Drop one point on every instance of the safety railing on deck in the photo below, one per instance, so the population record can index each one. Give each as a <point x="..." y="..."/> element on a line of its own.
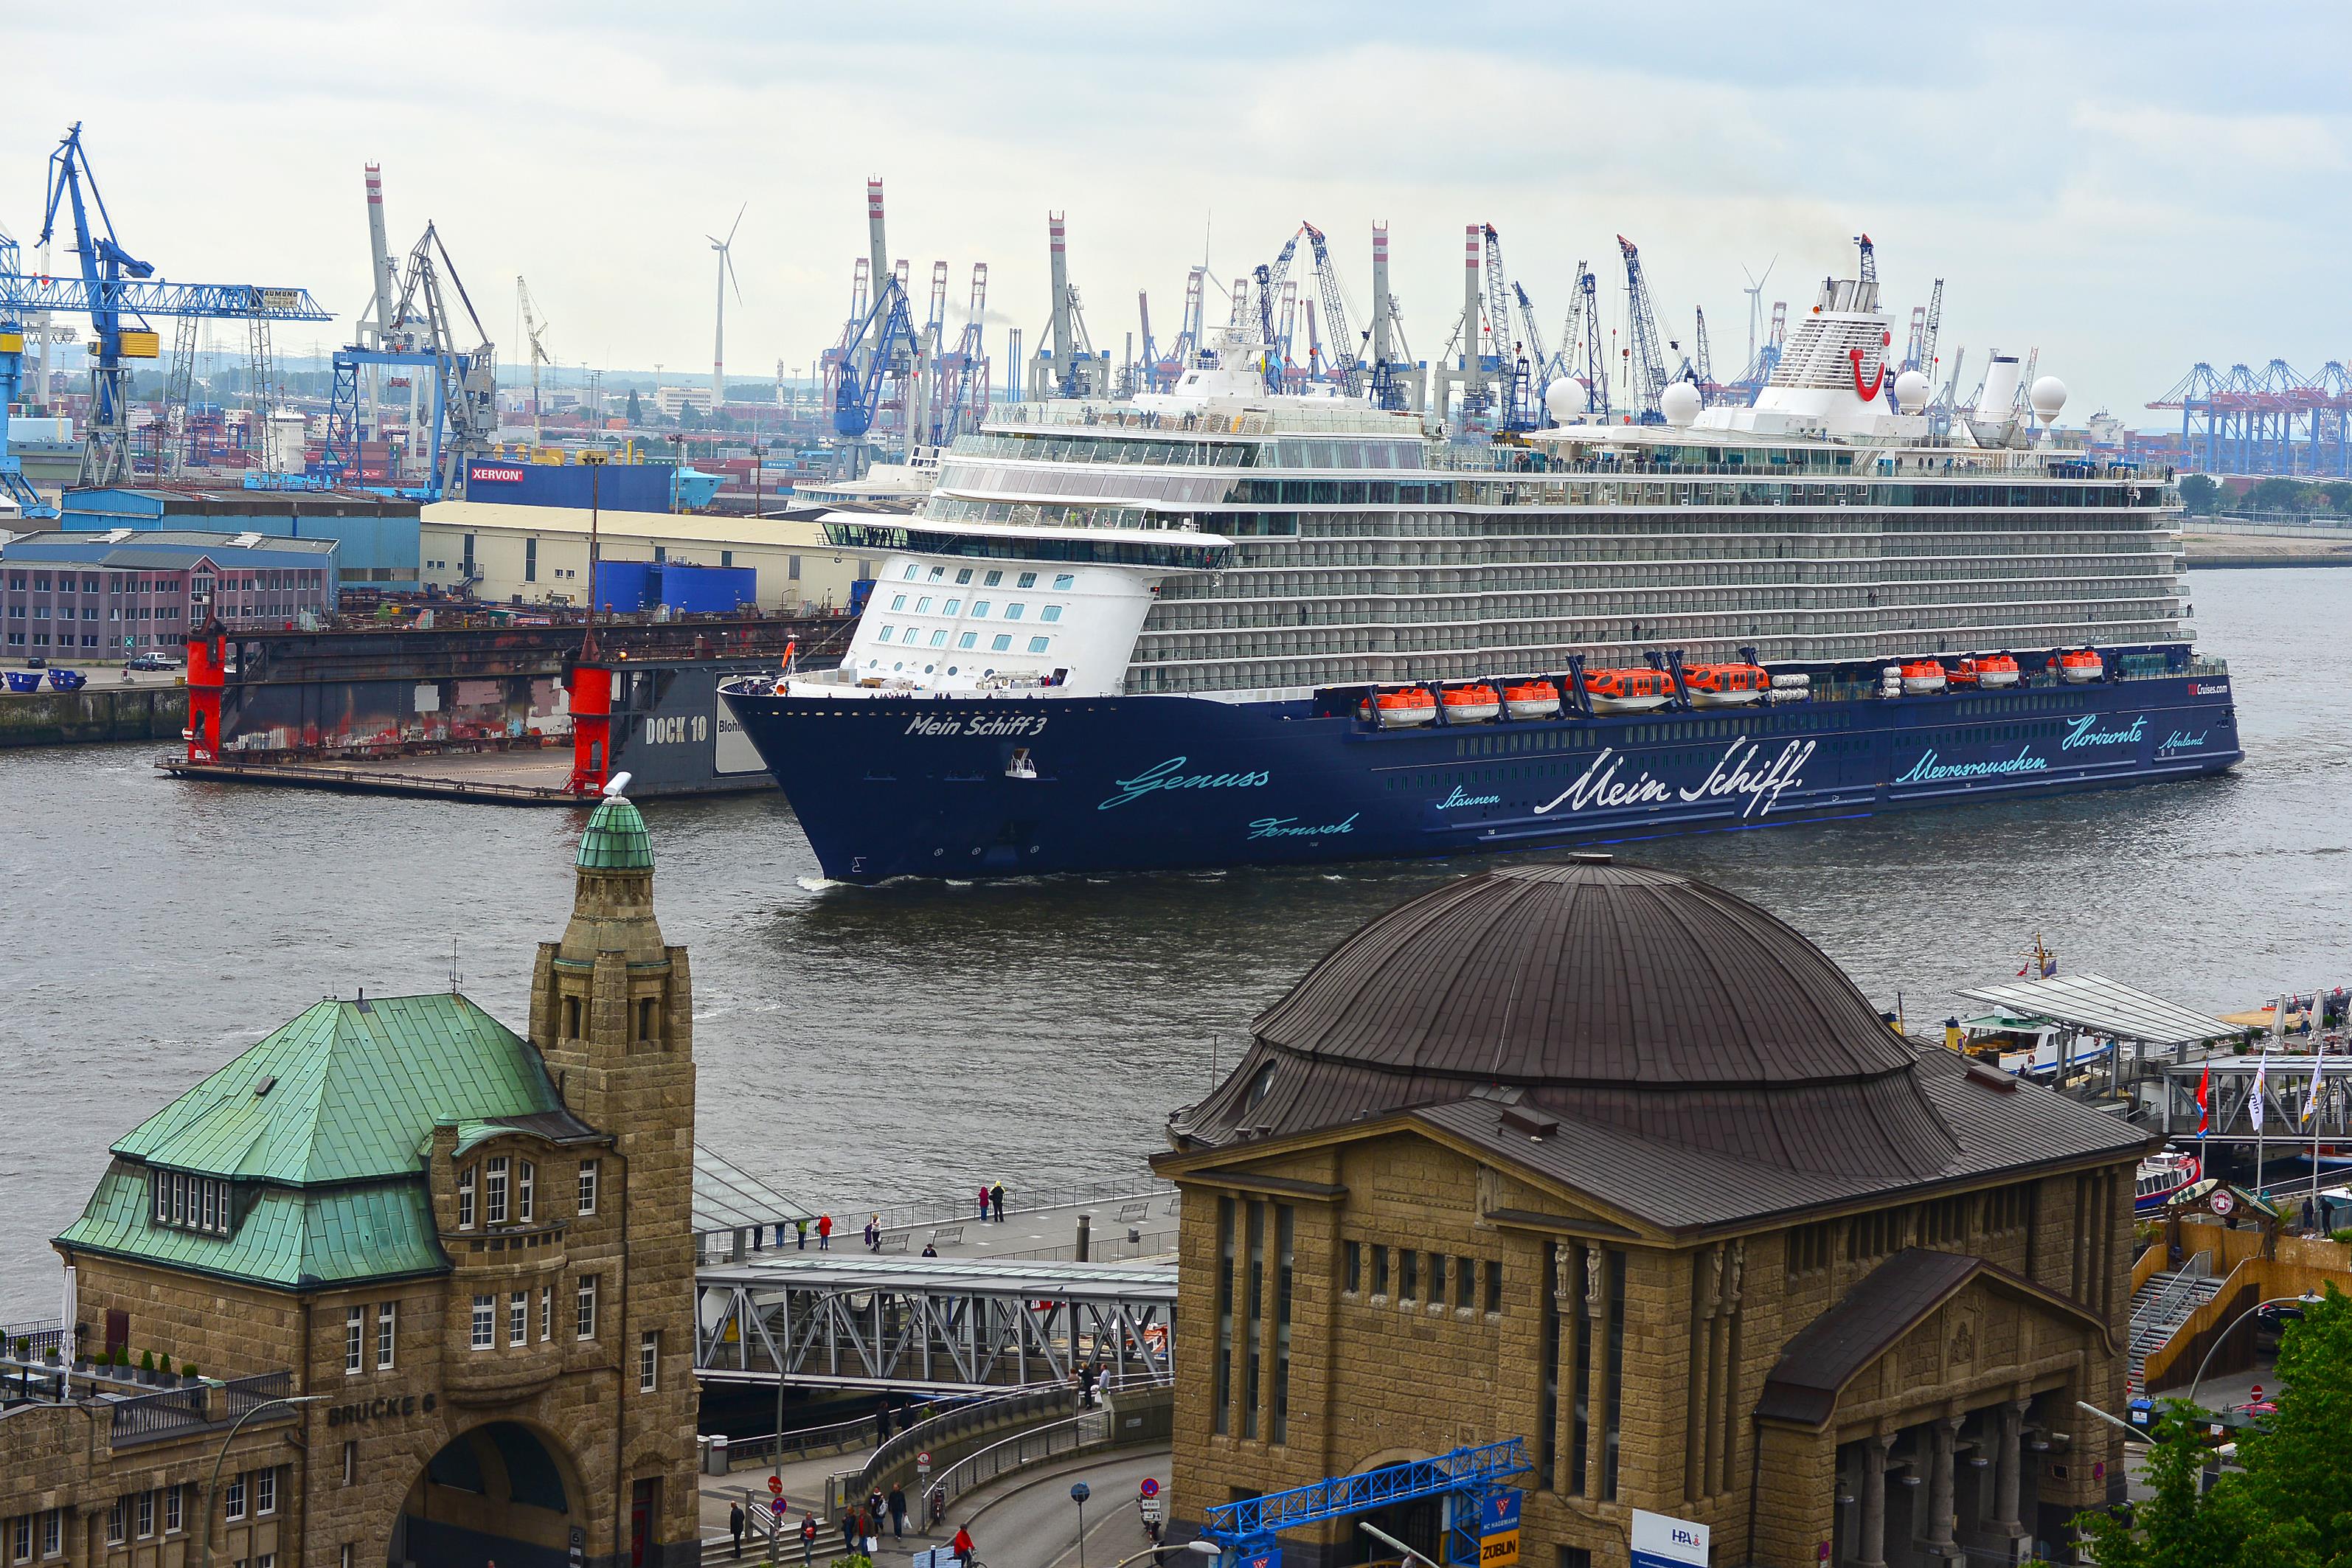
<point x="836" y="1438"/>
<point x="147" y="1417"/>
<point x="924" y="1436"/>
<point x="966" y="1208"/>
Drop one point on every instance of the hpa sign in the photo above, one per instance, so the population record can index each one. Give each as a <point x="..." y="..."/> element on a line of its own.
<point x="1660" y="1542"/>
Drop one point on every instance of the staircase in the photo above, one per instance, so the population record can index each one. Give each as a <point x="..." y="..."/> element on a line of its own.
<point x="2160" y="1307"/>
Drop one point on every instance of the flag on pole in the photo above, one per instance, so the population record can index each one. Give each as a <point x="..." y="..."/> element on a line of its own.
<point x="2262" y="1085"/>
<point x="2204" y="1106"/>
<point x="2311" y="1100"/>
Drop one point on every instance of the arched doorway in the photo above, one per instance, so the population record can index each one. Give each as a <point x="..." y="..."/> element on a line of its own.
<point x="499" y="1493"/>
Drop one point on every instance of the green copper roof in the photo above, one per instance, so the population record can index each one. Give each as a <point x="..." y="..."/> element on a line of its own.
<point x="289" y="1238"/>
<point x="359" y="1087"/>
<point x="616" y="839"/>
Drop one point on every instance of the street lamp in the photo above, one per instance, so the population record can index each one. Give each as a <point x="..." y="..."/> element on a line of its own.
<point x="1079" y="1492"/>
<point x="2308" y="1298"/>
<point x="1385" y="1539"/>
<point x="204" y="1539"/>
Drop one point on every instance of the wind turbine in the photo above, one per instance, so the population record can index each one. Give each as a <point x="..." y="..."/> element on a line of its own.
<point x="534" y="330"/>
<point x="719" y="344"/>
<point x="1756" y="302"/>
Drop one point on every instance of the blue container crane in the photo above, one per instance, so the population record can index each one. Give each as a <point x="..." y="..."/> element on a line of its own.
<point x="115" y="285"/>
<point x="1649" y="358"/>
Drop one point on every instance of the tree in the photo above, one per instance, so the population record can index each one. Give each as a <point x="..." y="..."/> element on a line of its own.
<point x="633" y="408"/>
<point x="2290" y="1507"/>
<point x="2339" y="494"/>
<point x="2198" y="492"/>
<point x="2277" y="494"/>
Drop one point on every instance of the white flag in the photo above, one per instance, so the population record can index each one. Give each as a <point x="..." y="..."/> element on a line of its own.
<point x="2262" y="1084"/>
<point x="2311" y="1100"/>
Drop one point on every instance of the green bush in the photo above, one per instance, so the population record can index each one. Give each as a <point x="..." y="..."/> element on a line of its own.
<point x="2342" y="1236"/>
<point x="146" y="1361"/>
<point x="123" y="1355"/>
<point x="188" y="1370"/>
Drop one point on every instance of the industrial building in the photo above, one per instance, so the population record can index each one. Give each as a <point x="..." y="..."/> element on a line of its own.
<point x="539" y="554"/>
<point x="108" y="595"/>
<point x="376" y="535"/>
<point x="1616" y="1182"/>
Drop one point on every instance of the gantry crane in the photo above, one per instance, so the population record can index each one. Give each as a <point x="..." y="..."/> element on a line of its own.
<point x="1345" y="368"/>
<point x="1645" y="351"/>
<point x="115" y="287"/>
<point x="963" y="370"/>
<point x="422" y="335"/>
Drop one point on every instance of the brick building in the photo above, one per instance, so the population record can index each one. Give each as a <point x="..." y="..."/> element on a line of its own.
<point x="97" y="596"/>
<point x="467" y="1256"/>
<point x="1607" y="1160"/>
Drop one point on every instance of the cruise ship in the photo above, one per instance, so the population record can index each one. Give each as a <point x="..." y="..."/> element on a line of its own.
<point x="1217" y="625"/>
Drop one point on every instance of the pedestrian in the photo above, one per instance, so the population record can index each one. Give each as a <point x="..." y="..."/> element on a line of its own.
<point x="874" y="1510"/>
<point x="735" y="1525"/>
<point x="873" y="1234"/>
<point x="961" y="1545"/>
<point x="929" y="1251"/>
<point x="898" y="1513"/>
<point x="983" y="1200"/>
<point x="825" y="1232"/>
<point x="799" y="1233"/>
<point x="849" y="1531"/>
<point x="808" y="1538"/>
<point x="997" y="1193"/>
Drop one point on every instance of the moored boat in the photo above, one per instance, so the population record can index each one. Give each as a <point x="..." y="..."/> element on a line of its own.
<point x="1401" y="710"/>
<point x="1726" y="685"/>
<point x="1473" y="704"/>
<point x="1532" y="699"/>
<point x="1922" y="676"/>
<point x="1992" y="672"/>
<point x="2080" y="667"/>
<point x="1628" y="690"/>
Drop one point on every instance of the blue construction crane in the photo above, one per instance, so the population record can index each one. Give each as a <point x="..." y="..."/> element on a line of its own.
<point x="114" y="284"/>
<point x="1483" y="1522"/>
<point x="883" y="341"/>
<point x="1649" y="360"/>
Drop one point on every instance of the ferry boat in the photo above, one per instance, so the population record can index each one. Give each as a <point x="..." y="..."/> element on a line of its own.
<point x="1219" y="625"/>
<point x="2164" y="1175"/>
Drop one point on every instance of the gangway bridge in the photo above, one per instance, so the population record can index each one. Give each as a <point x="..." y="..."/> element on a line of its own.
<point x="856" y="1320"/>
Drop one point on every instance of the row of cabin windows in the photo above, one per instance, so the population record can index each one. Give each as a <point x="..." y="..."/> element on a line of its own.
<point x="508" y="1190"/>
<point x="647" y="1015"/>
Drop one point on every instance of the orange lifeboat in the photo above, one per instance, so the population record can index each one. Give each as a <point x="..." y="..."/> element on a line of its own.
<point x="2080" y="667"/>
<point x="1473" y="704"/>
<point x="1401" y="710"/>
<point x="1992" y="672"/>
<point x="1532" y="699"/>
<point x="1628" y="690"/>
<point x="1726" y="685"/>
<point x="1921" y="676"/>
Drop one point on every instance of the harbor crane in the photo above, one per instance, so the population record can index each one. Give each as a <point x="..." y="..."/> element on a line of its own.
<point x="534" y="331"/>
<point x="1920" y="354"/>
<point x="963" y="370"/>
<point x="1187" y="346"/>
<point x="1648" y="359"/>
<point x="1394" y="382"/>
<point x="1580" y="357"/>
<point x="423" y="335"/>
<point x="1345" y="368"/>
<point x="115" y="290"/>
<point x="1151" y="361"/>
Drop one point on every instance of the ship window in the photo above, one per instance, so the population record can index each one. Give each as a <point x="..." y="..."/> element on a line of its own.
<point x="969" y="639"/>
<point x="951" y="606"/>
<point x="937" y="573"/>
<point x="1028" y="580"/>
<point x="885" y="634"/>
<point x="911" y="570"/>
<point x="1013" y="612"/>
<point x="1064" y="580"/>
<point x="1050" y="613"/>
<point x="979" y="606"/>
<point x="940" y="637"/>
<point x="1037" y="644"/>
<point x="923" y="605"/>
<point x="991" y="580"/>
<point x="964" y="576"/>
<point x="999" y="644"/>
<point x="898" y="601"/>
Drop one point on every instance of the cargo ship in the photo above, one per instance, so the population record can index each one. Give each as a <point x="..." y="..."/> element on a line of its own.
<point x="1218" y="626"/>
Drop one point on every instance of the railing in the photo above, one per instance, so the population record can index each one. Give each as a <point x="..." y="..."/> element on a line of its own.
<point x="33" y="1341"/>
<point x="838" y="1437"/>
<point x="2165" y="1305"/>
<point x="949" y="1211"/>
<point x="898" y="1454"/>
<point x="147" y="1417"/>
<point x="1107" y="1427"/>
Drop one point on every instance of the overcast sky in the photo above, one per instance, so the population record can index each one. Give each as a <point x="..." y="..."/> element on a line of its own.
<point x="2128" y="195"/>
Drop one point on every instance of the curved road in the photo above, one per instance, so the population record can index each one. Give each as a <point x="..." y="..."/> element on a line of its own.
<point x="1035" y="1525"/>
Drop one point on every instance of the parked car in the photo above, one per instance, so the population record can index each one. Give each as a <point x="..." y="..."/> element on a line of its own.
<point x="154" y="661"/>
<point x="37" y="662"/>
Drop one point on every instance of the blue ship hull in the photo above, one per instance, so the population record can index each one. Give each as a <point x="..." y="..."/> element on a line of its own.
<point x="970" y="786"/>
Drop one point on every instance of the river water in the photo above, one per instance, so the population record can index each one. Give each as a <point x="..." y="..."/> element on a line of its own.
<point x="904" y="1041"/>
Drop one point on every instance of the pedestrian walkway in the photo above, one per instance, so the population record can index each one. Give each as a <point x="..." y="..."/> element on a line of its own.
<point x="1121" y="1225"/>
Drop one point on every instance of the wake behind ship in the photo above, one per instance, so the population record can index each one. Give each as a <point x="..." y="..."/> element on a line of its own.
<point x="1219" y="625"/>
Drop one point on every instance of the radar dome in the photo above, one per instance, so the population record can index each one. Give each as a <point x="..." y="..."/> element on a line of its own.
<point x="2048" y="396"/>
<point x="1680" y="404"/>
<point x="1911" y="391"/>
<point x="1566" y="401"/>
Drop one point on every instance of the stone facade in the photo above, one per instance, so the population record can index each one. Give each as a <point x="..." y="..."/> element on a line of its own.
<point x="1380" y="1367"/>
<point x="531" y="1400"/>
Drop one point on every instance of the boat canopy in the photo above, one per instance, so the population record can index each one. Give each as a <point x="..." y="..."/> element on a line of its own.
<point x="2090" y="1000"/>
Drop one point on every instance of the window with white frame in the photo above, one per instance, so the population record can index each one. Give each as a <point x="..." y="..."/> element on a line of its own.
<point x="354" y="1339"/>
<point x="546" y="1313"/>
<point x="115" y="1524"/>
<point x="519" y="1318"/>
<point x="386" y="1335"/>
<point x="649" y="1360"/>
<point x="232" y="1499"/>
<point x="466" y="1199"/>
<point x="486" y="1322"/>
<point x="494" y="1191"/>
<point x="525" y="1172"/>
<point x="587" y="1187"/>
<point x="53" y="1533"/>
<point x="584" y="1304"/>
<point x="143" y="1511"/>
<point x="265" y="1492"/>
<point x="172" y="1507"/>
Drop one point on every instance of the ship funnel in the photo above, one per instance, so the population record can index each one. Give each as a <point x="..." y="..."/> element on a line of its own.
<point x="1998" y="399"/>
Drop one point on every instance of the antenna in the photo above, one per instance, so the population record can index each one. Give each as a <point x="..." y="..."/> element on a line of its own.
<point x="456" y="979"/>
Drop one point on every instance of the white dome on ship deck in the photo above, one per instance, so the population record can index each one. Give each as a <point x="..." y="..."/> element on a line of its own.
<point x="2048" y="396"/>
<point x="1680" y="404"/>
<point x="1566" y="401"/>
<point x="1911" y="389"/>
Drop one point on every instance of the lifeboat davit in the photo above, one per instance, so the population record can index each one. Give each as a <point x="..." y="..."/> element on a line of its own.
<point x="1992" y="672"/>
<point x="1401" y="710"/>
<point x="1471" y="704"/>
<point x="1923" y="675"/>
<point x="1532" y="699"/>
<point x="1726" y="685"/>
<point x="1628" y="690"/>
<point x="2081" y="666"/>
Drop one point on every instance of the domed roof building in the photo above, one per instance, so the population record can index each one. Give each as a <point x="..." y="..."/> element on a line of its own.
<point x="1609" y="1159"/>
